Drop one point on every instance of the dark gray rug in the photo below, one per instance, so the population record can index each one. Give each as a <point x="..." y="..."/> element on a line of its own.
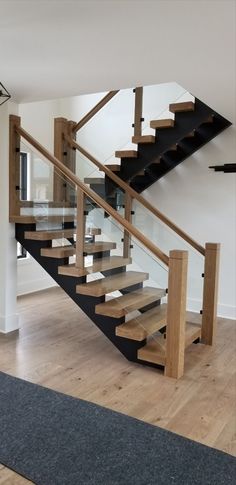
<point x="53" y="439"/>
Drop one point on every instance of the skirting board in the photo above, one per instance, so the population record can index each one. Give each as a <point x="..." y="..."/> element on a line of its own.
<point x="224" y="311"/>
<point x="9" y="323"/>
<point x="36" y="285"/>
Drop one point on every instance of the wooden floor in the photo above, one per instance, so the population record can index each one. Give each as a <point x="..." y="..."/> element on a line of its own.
<point x="59" y="347"/>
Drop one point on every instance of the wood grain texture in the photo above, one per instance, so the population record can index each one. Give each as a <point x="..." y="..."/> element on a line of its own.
<point x="59" y="252"/>
<point x="59" y="348"/>
<point x="126" y="154"/>
<point x="176" y="313"/>
<point x="165" y="123"/>
<point x="103" y="264"/>
<point x="138" y="110"/>
<point x="128" y="216"/>
<point x="178" y="107"/>
<point x="144" y="139"/>
<point x="156" y="349"/>
<point x="60" y="147"/>
<point x="210" y="292"/>
<point x="142" y="326"/>
<point x="122" y="305"/>
<point x="49" y="235"/>
<point x="94" y="180"/>
<point x="111" y="283"/>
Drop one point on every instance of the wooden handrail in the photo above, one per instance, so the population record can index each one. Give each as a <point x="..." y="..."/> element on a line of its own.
<point x="95" y="110"/>
<point x="138" y="197"/>
<point x="95" y="197"/>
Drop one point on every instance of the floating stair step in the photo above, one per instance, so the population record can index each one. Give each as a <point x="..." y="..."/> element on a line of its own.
<point x="111" y="283"/>
<point x="49" y="235"/>
<point x="27" y="219"/>
<point x="98" y="247"/>
<point x="144" y="325"/>
<point x="155" y="350"/>
<point x="94" y="181"/>
<point x="144" y="139"/>
<point x="67" y="251"/>
<point x="178" y="107"/>
<point x="192" y="333"/>
<point x="58" y="234"/>
<point x="103" y="264"/>
<point x="113" y="167"/>
<point x="93" y="231"/>
<point x="126" y="154"/>
<point x="58" y="252"/>
<point x="122" y="305"/>
<point x="166" y="123"/>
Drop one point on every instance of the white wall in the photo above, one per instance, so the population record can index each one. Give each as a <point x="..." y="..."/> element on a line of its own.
<point x="200" y="201"/>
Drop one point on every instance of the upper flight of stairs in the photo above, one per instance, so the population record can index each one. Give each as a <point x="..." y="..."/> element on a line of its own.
<point x="174" y="140"/>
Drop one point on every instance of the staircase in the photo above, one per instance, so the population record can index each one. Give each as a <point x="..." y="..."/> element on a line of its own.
<point x="147" y="322"/>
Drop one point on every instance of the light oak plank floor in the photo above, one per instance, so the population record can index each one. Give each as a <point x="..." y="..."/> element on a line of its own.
<point x="60" y="348"/>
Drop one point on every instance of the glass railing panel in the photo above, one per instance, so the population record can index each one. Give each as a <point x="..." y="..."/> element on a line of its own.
<point x="110" y="128"/>
<point x="37" y="191"/>
<point x="166" y="240"/>
<point x="142" y="258"/>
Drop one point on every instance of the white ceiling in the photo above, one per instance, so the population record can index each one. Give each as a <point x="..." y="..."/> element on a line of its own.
<point x="58" y="48"/>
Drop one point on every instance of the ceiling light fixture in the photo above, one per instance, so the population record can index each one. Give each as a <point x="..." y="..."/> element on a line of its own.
<point x="4" y="94"/>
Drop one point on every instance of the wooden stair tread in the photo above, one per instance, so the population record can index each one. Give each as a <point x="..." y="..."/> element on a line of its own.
<point x="122" y="305"/>
<point x="102" y="264"/>
<point x="94" y="180"/>
<point x="67" y="251"/>
<point x="93" y="231"/>
<point x="30" y="219"/>
<point x="178" y="107"/>
<point x="111" y="283"/>
<point x="155" y="350"/>
<point x="49" y="235"/>
<point x="58" y="234"/>
<point x="114" y="167"/>
<point x="58" y="252"/>
<point x="126" y="154"/>
<point x="144" y="139"/>
<point x="165" y="123"/>
<point x="192" y="333"/>
<point x="144" y="325"/>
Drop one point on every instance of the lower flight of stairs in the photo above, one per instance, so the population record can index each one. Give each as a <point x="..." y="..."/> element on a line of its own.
<point x="108" y="314"/>
<point x="140" y="338"/>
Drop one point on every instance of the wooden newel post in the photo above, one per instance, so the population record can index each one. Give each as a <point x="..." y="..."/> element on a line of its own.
<point x="210" y="292"/>
<point x="176" y="313"/>
<point x="128" y="217"/>
<point x="138" y="110"/>
<point x="14" y="167"/>
<point x="60" y="152"/>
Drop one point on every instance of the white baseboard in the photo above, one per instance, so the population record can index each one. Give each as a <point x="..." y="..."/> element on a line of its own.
<point x="36" y="285"/>
<point x="9" y="323"/>
<point x="224" y="311"/>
